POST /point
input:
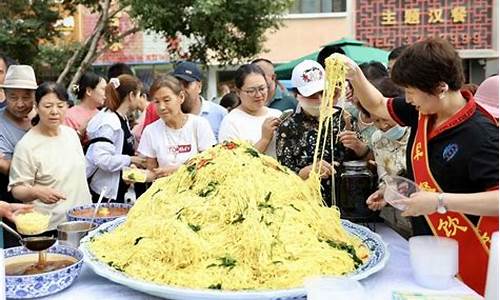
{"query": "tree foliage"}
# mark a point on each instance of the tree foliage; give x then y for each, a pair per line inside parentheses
(26, 25)
(218, 30)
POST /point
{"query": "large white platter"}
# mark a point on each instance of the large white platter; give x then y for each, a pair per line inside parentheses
(378, 259)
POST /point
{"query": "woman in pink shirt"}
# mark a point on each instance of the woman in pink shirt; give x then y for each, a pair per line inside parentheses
(90, 92)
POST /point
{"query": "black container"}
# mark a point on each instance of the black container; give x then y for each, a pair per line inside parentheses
(356, 185)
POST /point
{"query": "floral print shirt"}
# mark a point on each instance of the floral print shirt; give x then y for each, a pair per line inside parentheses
(296, 141)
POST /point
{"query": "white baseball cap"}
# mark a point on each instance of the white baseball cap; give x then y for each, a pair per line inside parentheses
(19, 77)
(308, 77)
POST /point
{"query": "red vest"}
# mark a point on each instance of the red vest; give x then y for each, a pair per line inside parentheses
(473, 240)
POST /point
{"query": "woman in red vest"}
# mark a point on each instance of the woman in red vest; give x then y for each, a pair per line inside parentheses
(452, 151)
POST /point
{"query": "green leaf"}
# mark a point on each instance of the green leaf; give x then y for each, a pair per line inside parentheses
(239, 219)
(195, 228)
(252, 152)
(268, 196)
(212, 186)
(348, 248)
(216, 286)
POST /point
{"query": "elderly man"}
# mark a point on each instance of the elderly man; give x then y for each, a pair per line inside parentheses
(276, 97)
(19, 87)
(190, 76)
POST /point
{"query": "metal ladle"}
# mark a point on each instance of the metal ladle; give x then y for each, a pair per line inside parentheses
(34, 243)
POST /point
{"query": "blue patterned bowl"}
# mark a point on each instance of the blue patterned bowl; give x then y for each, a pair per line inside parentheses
(72, 213)
(39, 285)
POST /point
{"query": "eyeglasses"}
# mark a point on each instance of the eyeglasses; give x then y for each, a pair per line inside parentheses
(253, 91)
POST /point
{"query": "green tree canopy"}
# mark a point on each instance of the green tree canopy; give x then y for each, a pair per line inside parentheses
(218, 30)
(25, 25)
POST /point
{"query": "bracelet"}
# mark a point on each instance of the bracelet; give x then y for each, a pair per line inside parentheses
(441, 207)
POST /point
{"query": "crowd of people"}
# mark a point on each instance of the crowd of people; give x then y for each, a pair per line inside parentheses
(414, 118)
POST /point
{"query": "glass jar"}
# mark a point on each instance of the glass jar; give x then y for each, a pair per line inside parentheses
(356, 185)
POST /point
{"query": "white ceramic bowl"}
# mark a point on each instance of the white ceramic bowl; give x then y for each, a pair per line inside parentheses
(39, 285)
(397, 188)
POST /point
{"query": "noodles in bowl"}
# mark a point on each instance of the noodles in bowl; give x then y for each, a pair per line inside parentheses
(32, 223)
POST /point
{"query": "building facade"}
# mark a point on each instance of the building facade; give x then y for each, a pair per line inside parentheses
(471, 26)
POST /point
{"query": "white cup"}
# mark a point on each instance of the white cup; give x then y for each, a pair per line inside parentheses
(338, 288)
(434, 261)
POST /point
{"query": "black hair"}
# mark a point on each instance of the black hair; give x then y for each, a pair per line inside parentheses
(49, 87)
(396, 52)
(89, 80)
(245, 70)
(428, 63)
(326, 52)
(230, 100)
(374, 70)
(387, 87)
(118, 69)
(7, 60)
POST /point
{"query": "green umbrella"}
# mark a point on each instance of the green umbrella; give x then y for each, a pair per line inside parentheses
(356, 50)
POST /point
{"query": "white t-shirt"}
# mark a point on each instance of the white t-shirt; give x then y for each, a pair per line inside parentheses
(173, 147)
(240, 125)
(56, 162)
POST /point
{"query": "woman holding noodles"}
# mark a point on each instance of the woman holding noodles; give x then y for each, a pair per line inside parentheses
(170, 141)
(111, 144)
(251, 120)
(452, 151)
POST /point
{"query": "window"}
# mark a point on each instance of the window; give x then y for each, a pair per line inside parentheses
(318, 6)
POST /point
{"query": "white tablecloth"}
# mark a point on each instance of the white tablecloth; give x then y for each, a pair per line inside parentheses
(396, 276)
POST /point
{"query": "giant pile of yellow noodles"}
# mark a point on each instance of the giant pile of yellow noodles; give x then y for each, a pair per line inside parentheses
(233, 219)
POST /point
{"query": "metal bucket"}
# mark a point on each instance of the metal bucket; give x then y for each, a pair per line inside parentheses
(70, 233)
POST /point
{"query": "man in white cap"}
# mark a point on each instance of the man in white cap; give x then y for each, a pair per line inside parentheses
(296, 137)
(19, 87)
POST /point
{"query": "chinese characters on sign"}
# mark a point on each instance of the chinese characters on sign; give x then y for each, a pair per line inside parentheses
(389, 23)
(435, 16)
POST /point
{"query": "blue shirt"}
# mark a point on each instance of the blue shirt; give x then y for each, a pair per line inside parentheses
(214, 113)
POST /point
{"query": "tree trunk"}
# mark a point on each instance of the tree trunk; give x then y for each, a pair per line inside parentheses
(99, 32)
(71, 62)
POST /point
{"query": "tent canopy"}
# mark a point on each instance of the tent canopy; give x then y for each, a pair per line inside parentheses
(354, 49)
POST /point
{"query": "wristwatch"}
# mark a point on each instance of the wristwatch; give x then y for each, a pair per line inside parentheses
(441, 208)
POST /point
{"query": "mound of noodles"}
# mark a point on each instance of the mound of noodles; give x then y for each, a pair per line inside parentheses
(233, 219)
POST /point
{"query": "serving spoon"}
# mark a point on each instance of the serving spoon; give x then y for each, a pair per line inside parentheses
(34, 243)
(101, 196)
